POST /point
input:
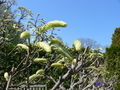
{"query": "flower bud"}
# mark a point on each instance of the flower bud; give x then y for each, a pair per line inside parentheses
(61, 61)
(77, 45)
(25, 35)
(56, 41)
(74, 61)
(57, 65)
(40, 60)
(6, 76)
(44, 46)
(39, 72)
(53, 24)
(100, 49)
(23, 46)
(33, 77)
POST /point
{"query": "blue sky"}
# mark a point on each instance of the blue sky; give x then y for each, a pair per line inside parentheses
(95, 19)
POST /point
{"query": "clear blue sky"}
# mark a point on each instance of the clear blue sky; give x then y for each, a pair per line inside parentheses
(95, 19)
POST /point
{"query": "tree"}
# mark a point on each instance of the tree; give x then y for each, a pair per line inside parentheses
(90, 42)
(11, 28)
(113, 52)
(112, 55)
(82, 67)
(9, 38)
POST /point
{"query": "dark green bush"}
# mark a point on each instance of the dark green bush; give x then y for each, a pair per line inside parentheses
(112, 57)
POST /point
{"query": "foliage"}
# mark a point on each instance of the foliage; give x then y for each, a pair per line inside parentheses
(117, 86)
(112, 56)
(113, 59)
(116, 37)
(113, 53)
(8, 38)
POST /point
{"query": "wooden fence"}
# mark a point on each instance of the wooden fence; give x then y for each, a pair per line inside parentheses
(25, 87)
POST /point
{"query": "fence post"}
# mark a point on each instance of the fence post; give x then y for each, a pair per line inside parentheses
(32, 87)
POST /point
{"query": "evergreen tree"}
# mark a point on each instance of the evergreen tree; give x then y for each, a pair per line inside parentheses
(116, 37)
(112, 56)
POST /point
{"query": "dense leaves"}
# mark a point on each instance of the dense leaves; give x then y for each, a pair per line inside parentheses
(112, 56)
(113, 53)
